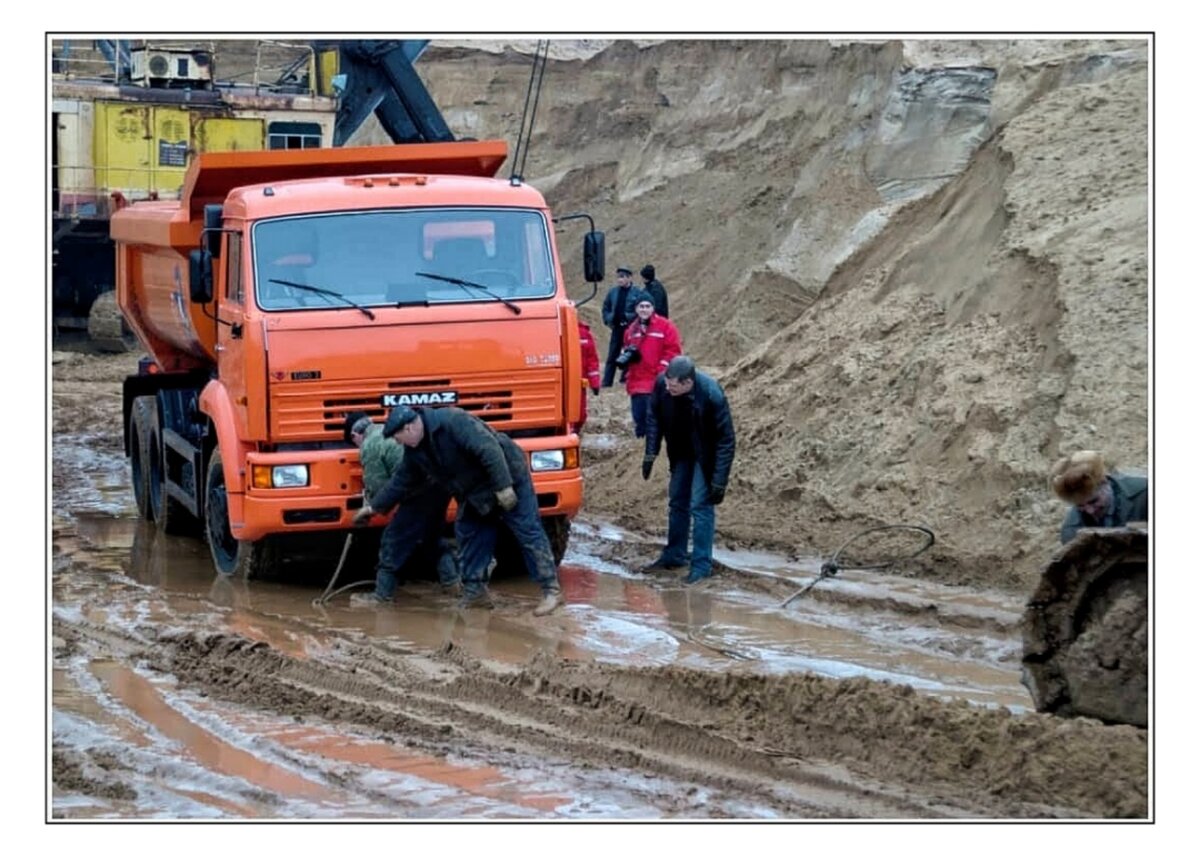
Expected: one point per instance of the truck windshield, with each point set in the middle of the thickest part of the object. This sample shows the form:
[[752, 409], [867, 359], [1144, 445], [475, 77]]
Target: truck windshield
[[384, 258]]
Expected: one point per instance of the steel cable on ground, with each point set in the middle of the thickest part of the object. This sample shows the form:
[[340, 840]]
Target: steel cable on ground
[[832, 566], [327, 595]]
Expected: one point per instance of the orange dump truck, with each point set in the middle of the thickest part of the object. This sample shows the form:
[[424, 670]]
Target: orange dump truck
[[285, 289]]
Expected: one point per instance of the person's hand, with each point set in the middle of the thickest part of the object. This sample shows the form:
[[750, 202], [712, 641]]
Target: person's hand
[[716, 493], [647, 466], [507, 499], [363, 515]]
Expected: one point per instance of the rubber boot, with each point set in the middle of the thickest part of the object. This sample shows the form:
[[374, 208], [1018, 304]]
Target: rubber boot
[[480, 599], [551, 599]]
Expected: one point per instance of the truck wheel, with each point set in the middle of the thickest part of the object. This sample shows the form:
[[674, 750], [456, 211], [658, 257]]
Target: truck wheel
[[558, 529], [230, 556], [141, 415], [1085, 629], [170, 516]]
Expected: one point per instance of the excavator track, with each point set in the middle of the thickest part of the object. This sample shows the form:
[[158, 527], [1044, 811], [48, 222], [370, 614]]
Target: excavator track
[[1086, 629], [107, 328]]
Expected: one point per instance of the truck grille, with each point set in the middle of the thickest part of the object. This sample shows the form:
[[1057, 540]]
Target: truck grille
[[315, 410]]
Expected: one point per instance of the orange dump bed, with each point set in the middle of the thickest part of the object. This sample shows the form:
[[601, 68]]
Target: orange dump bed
[[154, 238]]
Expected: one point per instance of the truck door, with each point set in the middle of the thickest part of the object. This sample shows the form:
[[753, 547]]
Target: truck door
[[231, 330]]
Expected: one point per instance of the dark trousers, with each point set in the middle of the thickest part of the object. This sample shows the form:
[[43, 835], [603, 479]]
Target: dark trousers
[[615, 343], [690, 514], [477, 536], [639, 405], [415, 530]]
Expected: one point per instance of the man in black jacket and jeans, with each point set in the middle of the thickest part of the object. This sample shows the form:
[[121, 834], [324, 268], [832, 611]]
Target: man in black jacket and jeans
[[656, 290], [618, 312], [487, 475], [689, 411]]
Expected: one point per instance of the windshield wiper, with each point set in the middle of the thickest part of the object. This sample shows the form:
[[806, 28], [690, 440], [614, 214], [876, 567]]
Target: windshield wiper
[[318, 290], [456, 281]]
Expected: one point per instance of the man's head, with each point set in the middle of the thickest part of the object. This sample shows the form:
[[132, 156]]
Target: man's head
[[647, 273], [354, 430], [1079, 480], [644, 307], [681, 375], [624, 275], [405, 425]]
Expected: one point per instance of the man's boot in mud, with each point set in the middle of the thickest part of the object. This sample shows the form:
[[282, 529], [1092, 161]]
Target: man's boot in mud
[[479, 599], [551, 599]]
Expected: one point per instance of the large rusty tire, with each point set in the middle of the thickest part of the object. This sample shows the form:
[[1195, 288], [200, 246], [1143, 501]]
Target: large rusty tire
[[1085, 629], [106, 327]]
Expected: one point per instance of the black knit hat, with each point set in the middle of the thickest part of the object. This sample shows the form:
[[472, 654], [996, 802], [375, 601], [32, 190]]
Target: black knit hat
[[648, 272], [400, 416]]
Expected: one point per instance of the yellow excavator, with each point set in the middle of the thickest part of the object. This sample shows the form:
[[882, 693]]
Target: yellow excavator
[[128, 116]]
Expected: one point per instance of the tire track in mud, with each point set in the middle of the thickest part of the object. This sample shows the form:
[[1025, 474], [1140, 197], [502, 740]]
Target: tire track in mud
[[798, 745]]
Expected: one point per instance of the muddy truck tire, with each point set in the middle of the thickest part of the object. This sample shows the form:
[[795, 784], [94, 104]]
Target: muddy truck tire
[[107, 329], [1085, 629]]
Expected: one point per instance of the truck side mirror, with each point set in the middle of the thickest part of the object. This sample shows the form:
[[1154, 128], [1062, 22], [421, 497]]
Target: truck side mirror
[[200, 275], [212, 229], [593, 257]]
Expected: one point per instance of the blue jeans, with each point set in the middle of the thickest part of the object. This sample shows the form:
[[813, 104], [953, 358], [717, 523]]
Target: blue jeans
[[639, 405], [415, 526], [477, 536], [690, 509]]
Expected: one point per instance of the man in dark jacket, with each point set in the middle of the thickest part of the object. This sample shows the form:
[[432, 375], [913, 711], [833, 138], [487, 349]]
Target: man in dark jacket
[[488, 477], [617, 312], [415, 529], [1097, 498], [656, 290], [689, 411]]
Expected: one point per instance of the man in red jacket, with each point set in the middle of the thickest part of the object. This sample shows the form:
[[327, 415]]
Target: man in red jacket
[[650, 343], [591, 370]]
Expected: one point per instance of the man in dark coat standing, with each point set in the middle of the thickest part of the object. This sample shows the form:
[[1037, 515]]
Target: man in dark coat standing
[[689, 411], [657, 291], [617, 312], [487, 475]]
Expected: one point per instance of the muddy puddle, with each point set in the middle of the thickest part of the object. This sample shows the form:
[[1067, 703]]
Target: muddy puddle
[[177, 693]]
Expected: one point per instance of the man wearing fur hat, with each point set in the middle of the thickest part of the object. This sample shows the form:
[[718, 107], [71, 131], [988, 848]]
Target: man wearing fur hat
[[1097, 498]]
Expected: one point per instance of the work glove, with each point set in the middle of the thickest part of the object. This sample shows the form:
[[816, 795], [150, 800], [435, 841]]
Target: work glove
[[507, 499], [647, 466], [716, 493], [363, 515]]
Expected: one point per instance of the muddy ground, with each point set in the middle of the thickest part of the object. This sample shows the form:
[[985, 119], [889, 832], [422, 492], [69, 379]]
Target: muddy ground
[[178, 694]]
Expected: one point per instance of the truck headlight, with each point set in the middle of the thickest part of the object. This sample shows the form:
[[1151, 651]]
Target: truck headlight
[[281, 476], [546, 459]]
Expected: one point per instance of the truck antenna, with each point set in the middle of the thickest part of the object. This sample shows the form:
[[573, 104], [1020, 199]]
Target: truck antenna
[[540, 54]]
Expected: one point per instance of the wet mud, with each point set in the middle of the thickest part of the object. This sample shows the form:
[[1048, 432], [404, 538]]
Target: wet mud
[[177, 693]]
